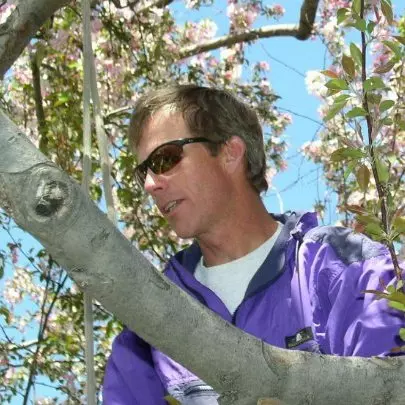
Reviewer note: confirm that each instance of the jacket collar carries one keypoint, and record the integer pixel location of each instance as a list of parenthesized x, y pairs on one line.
[(295, 225)]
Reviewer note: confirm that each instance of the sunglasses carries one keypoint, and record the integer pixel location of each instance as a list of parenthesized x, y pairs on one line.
[(165, 157)]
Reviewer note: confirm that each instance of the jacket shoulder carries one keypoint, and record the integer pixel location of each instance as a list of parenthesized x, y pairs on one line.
[(348, 245)]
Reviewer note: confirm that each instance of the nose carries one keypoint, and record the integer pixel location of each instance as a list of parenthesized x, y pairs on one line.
[(153, 182)]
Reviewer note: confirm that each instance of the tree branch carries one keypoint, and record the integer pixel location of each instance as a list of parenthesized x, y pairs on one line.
[(300, 31), (21, 26), (39, 107)]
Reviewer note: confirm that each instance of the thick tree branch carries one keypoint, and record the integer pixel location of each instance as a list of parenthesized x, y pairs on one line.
[(21, 26), (300, 31), (47, 203), (307, 19)]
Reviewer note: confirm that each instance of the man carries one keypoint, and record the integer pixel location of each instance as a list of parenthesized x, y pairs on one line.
[(279, 277)]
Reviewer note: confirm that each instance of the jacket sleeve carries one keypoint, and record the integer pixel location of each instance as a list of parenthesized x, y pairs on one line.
[(130, 377), (349, 322)]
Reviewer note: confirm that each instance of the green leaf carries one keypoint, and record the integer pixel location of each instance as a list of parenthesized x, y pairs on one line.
[(363, 177), (6, 313), (374, 83), (2, 263), (342, 14), (382, 170), (342, 97), (387, 121), (356, 209), (385, 68), (399, 224), (402, 334), (386, 105), (171, 400), (356, 54), (62, 99), (401, 124), (374, 98), (397, 305), (360, 24), (400, 39), (348, 65), (386, 9), (397, 296), (374, 230), (337, 84), (332, 92), (368, 218), (349, 169), (356, 112), (356, 6), (334, 109), (330, 73), (370, 26), (395, 48), (342, 153)]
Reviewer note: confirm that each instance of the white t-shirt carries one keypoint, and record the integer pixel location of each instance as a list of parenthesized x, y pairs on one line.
[(230, 280)]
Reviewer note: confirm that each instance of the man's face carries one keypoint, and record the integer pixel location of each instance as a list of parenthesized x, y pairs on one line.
[(193, 194)]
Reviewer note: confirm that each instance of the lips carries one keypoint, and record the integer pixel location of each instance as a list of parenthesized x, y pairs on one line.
[(170, 206)]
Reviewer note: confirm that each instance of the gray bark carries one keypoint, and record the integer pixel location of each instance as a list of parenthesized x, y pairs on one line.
[(21, 26), (44, 201)]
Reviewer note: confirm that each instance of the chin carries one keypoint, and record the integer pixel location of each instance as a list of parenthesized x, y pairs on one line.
[(184, 234)]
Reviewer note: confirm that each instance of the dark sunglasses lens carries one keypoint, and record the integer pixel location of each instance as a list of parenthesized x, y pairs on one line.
[(165, 158), (140, 174)]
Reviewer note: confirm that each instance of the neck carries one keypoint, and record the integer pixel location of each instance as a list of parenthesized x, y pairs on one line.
[(245, 226)]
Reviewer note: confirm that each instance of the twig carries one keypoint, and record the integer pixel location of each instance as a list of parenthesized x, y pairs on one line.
[(381, 190)]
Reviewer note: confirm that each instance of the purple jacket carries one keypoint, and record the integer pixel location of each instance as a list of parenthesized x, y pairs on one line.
[(307, 295)]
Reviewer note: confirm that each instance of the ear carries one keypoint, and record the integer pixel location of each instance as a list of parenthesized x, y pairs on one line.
[(233, 154)]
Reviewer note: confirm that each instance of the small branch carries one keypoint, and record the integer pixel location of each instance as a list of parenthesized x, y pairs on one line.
[(381, 190), (41, 332), (39, 107), (301, 31), (289, 30), (283, 63), (321, 124)]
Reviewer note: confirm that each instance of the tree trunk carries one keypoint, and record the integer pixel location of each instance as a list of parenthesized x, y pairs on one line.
[(44, 201)]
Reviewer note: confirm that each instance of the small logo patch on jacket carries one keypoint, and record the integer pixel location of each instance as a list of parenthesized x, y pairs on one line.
[(299, 338)]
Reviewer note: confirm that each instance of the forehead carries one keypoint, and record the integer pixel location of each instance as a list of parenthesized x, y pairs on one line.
[(163, 126)]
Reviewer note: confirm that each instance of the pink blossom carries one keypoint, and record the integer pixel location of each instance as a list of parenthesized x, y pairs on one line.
[(23, 74), (5, 12), (265, 86), (283, 165), (14, 252), (278, 10), (96, 25), (228, 75), (263, 65), (270, 173), (60, 39), (213, 62)]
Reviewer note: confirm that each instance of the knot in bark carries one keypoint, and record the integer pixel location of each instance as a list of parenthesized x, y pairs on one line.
[(51, 198)]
